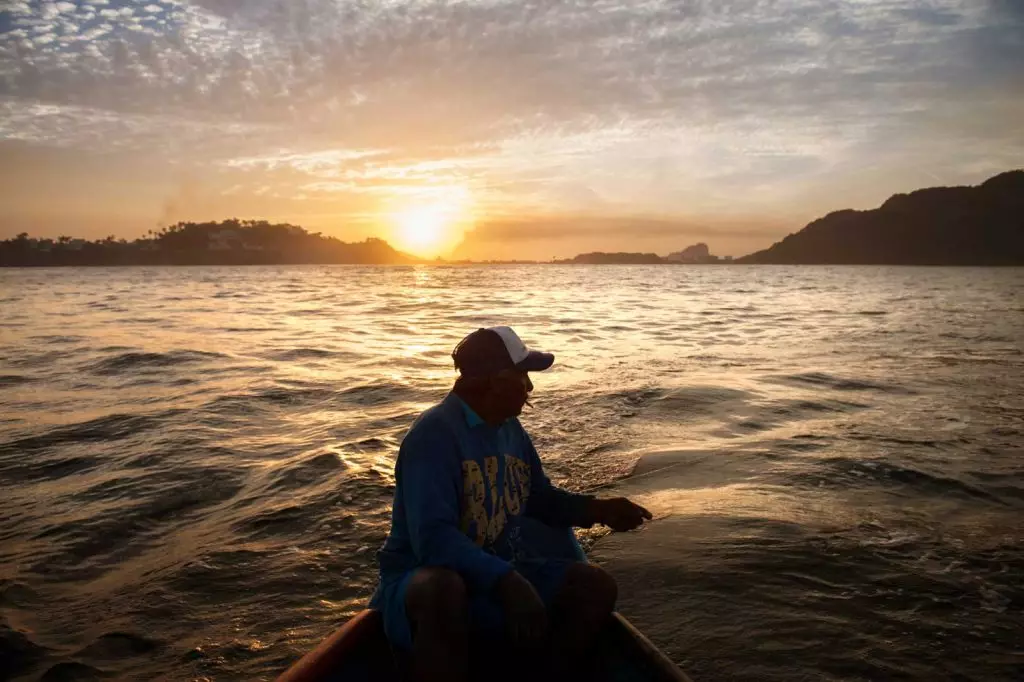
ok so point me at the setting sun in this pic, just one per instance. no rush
(432, 221)
(422, 228)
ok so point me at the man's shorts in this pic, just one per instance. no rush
(543, 555)
(485, 613)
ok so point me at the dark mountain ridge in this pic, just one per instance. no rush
(980, 225)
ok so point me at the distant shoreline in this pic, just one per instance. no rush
(938, 226)
(449, 264)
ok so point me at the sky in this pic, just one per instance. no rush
(499, 129)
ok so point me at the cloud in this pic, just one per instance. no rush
(309, 162)
(556, 62)
(91, 129)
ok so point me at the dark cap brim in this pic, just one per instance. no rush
(536, 361)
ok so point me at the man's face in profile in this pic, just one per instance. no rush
(510, 389)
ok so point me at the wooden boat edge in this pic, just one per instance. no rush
(327, 656)
(662, 664)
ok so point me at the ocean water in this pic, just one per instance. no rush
(196, 463)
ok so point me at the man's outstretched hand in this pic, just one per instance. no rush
(619, 514)
(525, 614)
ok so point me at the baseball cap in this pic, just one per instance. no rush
(491, 350)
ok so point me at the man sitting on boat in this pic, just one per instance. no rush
(480, 540)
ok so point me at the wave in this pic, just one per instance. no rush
(773, 415)
(894, 440)
(15, 380)
(686, 399)
(58, 338)
(823, 380)
(109, 428)
(48, 470)
(363, 395)
(117, 645)
(382, 393)
(38, 359)
(856, 473)
(1005, 485)
(18, 653)
(373, 444)
(287, 520)
(308, 470)
(72, 670)
(296, 354)
(139, 361)
(17, 594)
(248, 329)
(85, 548)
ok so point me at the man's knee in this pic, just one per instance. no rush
(435, 595)
(591, 588)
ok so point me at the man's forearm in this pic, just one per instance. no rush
(557, 507)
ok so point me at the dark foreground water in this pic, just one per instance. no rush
(195, 464)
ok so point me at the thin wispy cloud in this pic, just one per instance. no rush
(690, 108)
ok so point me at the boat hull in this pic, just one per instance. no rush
(358, 651)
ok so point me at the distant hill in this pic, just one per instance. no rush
(696, 254)
(982, 225)
(229, 242)
(602, 258)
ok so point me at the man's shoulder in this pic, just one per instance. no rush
(433, 423)
(515, 426)
(433, 415)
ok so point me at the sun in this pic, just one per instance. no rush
(426, 229)
(429, 221)
(423, 227)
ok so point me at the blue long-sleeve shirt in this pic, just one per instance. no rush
(459, 485)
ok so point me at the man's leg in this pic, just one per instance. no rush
(437, 607)
(579, 610)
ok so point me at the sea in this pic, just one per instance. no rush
(196, 464)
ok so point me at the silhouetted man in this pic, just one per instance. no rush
(480, 539)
